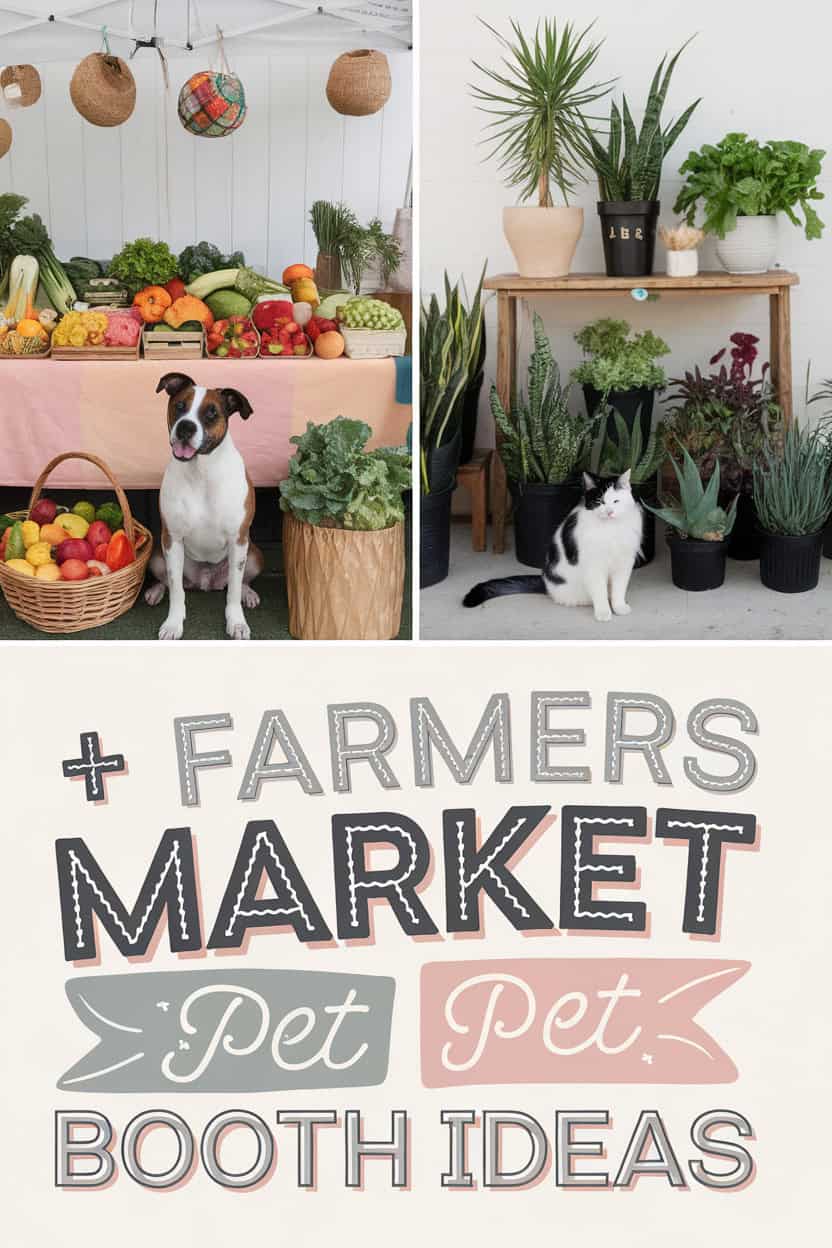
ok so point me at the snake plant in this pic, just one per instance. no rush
(698, 515)
(627, 452)
(629, 168)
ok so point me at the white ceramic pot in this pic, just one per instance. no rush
(683, 263)
(543, 239)
(751, 247)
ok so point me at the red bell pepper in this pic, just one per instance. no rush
(119, 551)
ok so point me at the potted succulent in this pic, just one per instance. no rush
(627, 452)
(450, 360)
(629, 171)
(793, 497)
(742, 185)
(699, 528)
(727, 415)
(538, 135)
(343, 534)
(543, 446)
(619, 370)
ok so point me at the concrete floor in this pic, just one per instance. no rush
(742, 610)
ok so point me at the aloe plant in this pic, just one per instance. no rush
(542, 441)
(630, 166)
(537, 102)
(627, 452)
(793, 485)
(450, 341)
(698, 515)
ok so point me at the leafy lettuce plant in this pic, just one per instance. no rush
(740, 177)
(144, 263)
(335, 482)
(617, 360)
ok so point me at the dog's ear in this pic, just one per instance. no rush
(236, 402)
(173, 383)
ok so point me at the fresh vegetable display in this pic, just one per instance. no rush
(366, 313)
(280, 333)
(102, 327)
(234, 338)
(71, 545)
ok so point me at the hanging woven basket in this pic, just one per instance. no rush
(212, 104)
(5, 137)
(359, 83)
(103, 89)
(20, 85)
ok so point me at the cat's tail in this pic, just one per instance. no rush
(503, 585)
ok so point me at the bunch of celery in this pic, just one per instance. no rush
(27, 236)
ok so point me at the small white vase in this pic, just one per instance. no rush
(751, 247)
(683, 263)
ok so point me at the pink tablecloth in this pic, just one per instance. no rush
(111, 409)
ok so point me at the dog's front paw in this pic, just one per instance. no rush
(622, 608)
(250, 597)
(154, 594)
(237, 628)
(603, 615)
(172, 629)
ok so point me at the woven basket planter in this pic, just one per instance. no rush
(21, 85)
(343, 585)
(5, 137)
(72, 606)
(212, 104)
(103, 89)
(359, 83)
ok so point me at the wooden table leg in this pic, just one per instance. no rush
(780, 354)
(506, 365)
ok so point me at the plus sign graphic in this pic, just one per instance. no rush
(93, 766)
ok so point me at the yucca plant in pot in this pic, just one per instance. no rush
(619, 372)
(793, 497)
(629, 172)
(538, 134)
(543, 446)
(449, 361)
(627, 452)
(698, 528)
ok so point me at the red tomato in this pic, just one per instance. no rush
(74, 570)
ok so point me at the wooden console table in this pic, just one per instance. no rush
(510, 287)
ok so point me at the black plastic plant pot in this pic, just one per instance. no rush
(538, 510)
(744, 538)
(629, 234)
(435, 537)
(631, 404)
(827, 541)
(791, 565)
(646, 493)
(442, 463)
(695, 565)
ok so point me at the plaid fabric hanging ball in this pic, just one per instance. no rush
(212, 105)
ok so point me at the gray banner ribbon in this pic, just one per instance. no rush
(244, 1031)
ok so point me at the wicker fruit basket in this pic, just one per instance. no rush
(72, 606)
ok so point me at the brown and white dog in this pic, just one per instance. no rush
(207, 505)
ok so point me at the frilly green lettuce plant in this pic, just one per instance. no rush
(619, 360)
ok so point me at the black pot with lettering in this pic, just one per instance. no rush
(696, 565)
(538, 509)
(629, 233)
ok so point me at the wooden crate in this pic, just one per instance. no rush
(174, 344)
(96, 353)
(373, 344)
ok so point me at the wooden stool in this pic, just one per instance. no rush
(473, 477)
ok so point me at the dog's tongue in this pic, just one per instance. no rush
(182, 450)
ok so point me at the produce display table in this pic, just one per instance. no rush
(111, 409)
(510, 287)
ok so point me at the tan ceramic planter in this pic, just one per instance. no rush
(343, 585)
(543, 239)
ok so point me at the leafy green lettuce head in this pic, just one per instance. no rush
(333, 480)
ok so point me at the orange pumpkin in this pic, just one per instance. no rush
(296, 271)
(152, 303)
(188, 308)
(329, 345)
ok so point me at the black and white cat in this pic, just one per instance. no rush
(591, 557)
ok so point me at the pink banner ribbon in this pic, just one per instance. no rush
(572, 1020)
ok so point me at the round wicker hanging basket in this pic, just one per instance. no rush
(5, 137)
(103, 89)
(359, 83)
(212, 104)
(21, 85)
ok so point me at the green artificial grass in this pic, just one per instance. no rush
(206, 614)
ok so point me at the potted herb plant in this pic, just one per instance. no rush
(543, 446)
(699, 528)
(627, 452)
(793, 496)
(742, 185)
(727, 415)
(619, 370)
(343, 534)
(538, 135)
(332, 225)
(629, 171)
(450, 360)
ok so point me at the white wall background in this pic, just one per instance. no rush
(96, 188)
(763, 69)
